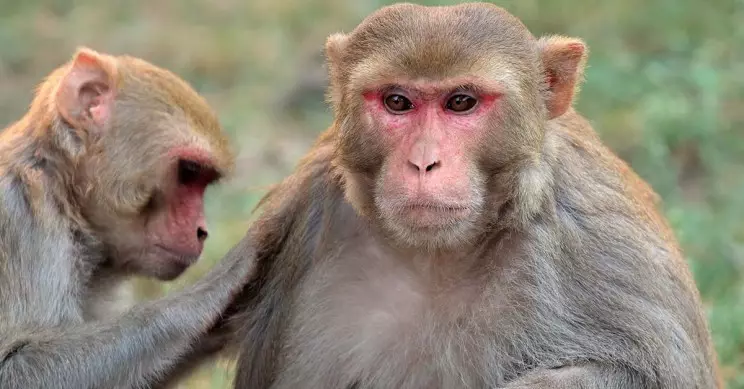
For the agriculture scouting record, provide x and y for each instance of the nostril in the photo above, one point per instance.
(421, 166)
(201, 234)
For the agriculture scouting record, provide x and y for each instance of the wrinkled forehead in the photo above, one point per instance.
(412, 68)
(439, 44)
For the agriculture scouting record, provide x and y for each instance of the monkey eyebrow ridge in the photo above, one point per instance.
(478, 86)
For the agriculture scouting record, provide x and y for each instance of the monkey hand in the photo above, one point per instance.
(224, 282)
(239, 265)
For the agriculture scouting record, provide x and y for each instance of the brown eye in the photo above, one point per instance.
(461, 103)
(398, 104)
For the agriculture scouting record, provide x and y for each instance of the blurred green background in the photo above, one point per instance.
(663, 87)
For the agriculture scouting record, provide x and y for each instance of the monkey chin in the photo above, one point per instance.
(430, 228)
(160, 263)
(173, 264)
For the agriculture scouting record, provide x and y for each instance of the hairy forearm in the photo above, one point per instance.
(141, 345)
(205, 349)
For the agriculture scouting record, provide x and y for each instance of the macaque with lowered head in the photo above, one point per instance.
(102, 179)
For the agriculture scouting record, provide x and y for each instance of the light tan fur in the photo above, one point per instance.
(564, 274)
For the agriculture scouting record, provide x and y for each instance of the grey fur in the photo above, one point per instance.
(575, 280)
(55, 269)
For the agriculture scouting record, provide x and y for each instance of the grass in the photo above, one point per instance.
(664, 88)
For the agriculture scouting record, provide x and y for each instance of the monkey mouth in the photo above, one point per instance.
(434, 214)
(434, 207)
(173, 256)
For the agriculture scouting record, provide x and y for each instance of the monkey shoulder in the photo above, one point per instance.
(592, 180)
(39, 285)
(607, 216)
(299, 203)
(610, 233)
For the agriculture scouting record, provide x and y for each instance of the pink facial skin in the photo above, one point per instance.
(428, 168)
(185, 218)
(182, 229)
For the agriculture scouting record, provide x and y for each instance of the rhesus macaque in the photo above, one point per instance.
(102, 179)
(461, 226)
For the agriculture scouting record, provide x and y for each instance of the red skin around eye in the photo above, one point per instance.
(176, 229)
(427, 134)
(426, 106)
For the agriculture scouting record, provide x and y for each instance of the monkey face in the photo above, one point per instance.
(166, 234)
(428, 120)
(161, 228)
(429, 192)
(414, 148)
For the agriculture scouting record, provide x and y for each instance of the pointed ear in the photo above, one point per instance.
(563, 61)
(334, 49)
(85, 95)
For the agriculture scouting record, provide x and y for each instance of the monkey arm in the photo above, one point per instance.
(130, 350)
(585, 376)
(206, 348)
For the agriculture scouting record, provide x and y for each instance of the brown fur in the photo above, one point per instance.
(569, 276)
(90, 184)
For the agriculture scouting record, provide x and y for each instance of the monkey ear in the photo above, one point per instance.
(563, 62)
(85, 94)
(334, 48)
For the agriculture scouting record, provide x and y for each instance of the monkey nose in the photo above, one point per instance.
(424, 156)
(201, 234)
(423, 167)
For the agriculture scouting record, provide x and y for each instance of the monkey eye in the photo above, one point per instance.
(461, 103)
(188, 172)
(398, 104)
